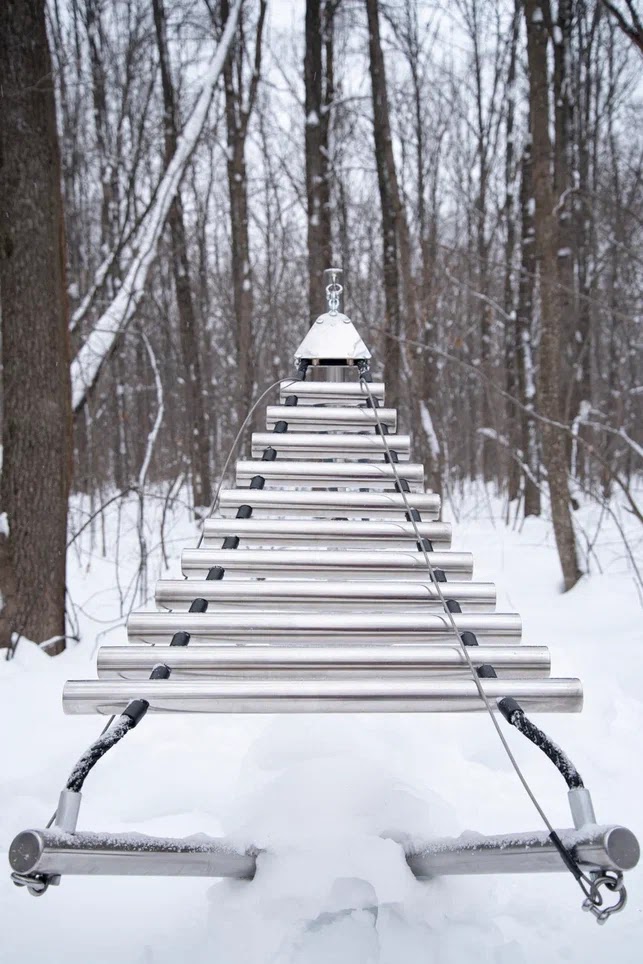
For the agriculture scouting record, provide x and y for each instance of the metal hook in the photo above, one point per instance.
(594, 903)
(333, 291)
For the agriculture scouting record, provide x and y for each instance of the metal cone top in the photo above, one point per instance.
(333, 339)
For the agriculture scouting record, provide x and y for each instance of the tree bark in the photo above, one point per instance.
(554, 450)
(387, 183)
(197, 428)
(513, 418)
(318, 83)
(237, 118)
(37, 439)
(524, 353)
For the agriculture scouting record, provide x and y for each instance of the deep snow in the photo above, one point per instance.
(317, 792)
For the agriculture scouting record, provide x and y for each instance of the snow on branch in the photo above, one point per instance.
(88, 362)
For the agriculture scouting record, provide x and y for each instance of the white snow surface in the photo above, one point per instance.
(317, 793)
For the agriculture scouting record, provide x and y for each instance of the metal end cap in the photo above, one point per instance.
(623, 848)
(25, 851)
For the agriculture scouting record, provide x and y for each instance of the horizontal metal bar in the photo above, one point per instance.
(321, 595)
(309, 418)
(353, 505)
(372, 475)
(288, 532)
(356, 564)
(455, 695)
(607, 848)
(348, 393)
(380, 628)
(51, 852)
(314, 445)
(48, 852)
(327, 662)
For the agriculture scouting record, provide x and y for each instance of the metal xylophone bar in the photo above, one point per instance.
(325, 628)
(321, 595)
(333, 563)
(373, 475)
(309, 418)
(305, 662)
(354, 505)
(332, 393)
(315, 445)
(286, 532)
(111, 696)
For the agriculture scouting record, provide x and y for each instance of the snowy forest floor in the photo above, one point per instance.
(317, 792)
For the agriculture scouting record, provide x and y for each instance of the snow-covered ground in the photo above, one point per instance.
(318, 792)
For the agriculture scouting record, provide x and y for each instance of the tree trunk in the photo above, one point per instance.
(237, 118)
(563, 198)
(524, 348)
(554, 449)
(37, 439)
(387, 188)
(513, 419)
(197, 428)
(318, 83)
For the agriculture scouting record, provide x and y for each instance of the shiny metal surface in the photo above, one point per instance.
(309, 418)
(315, 445)
(613, 848)
(353, 505)
(51, 852)
(293, 532)
(329, 392)
(67, 810)
(581, 806)
(375, 628)
(333, 336)
(318, 696)
(321, 595)
(372, 475)
(325, 662)
(354, 564)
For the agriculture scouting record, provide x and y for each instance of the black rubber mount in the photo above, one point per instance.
(180, 639)
(136, 710)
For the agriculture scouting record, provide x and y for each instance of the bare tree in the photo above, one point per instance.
(97, 348)
(191, 347)
(546, 236)
(319, 93)
(632, 28)
(36, 466)
(389, 200)
(239, 107)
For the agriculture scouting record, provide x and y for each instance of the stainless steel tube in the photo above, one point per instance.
(318, 696)
(607, 848)
(355, 564)
(373, 475)
(321, 595)
(374, 628)
(52, 852)
(326, 662)
(353, 505)
(346, 393)
(288, 532)
(309, 418)
(315, 445)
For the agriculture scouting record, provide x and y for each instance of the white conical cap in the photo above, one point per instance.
(333, 337)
